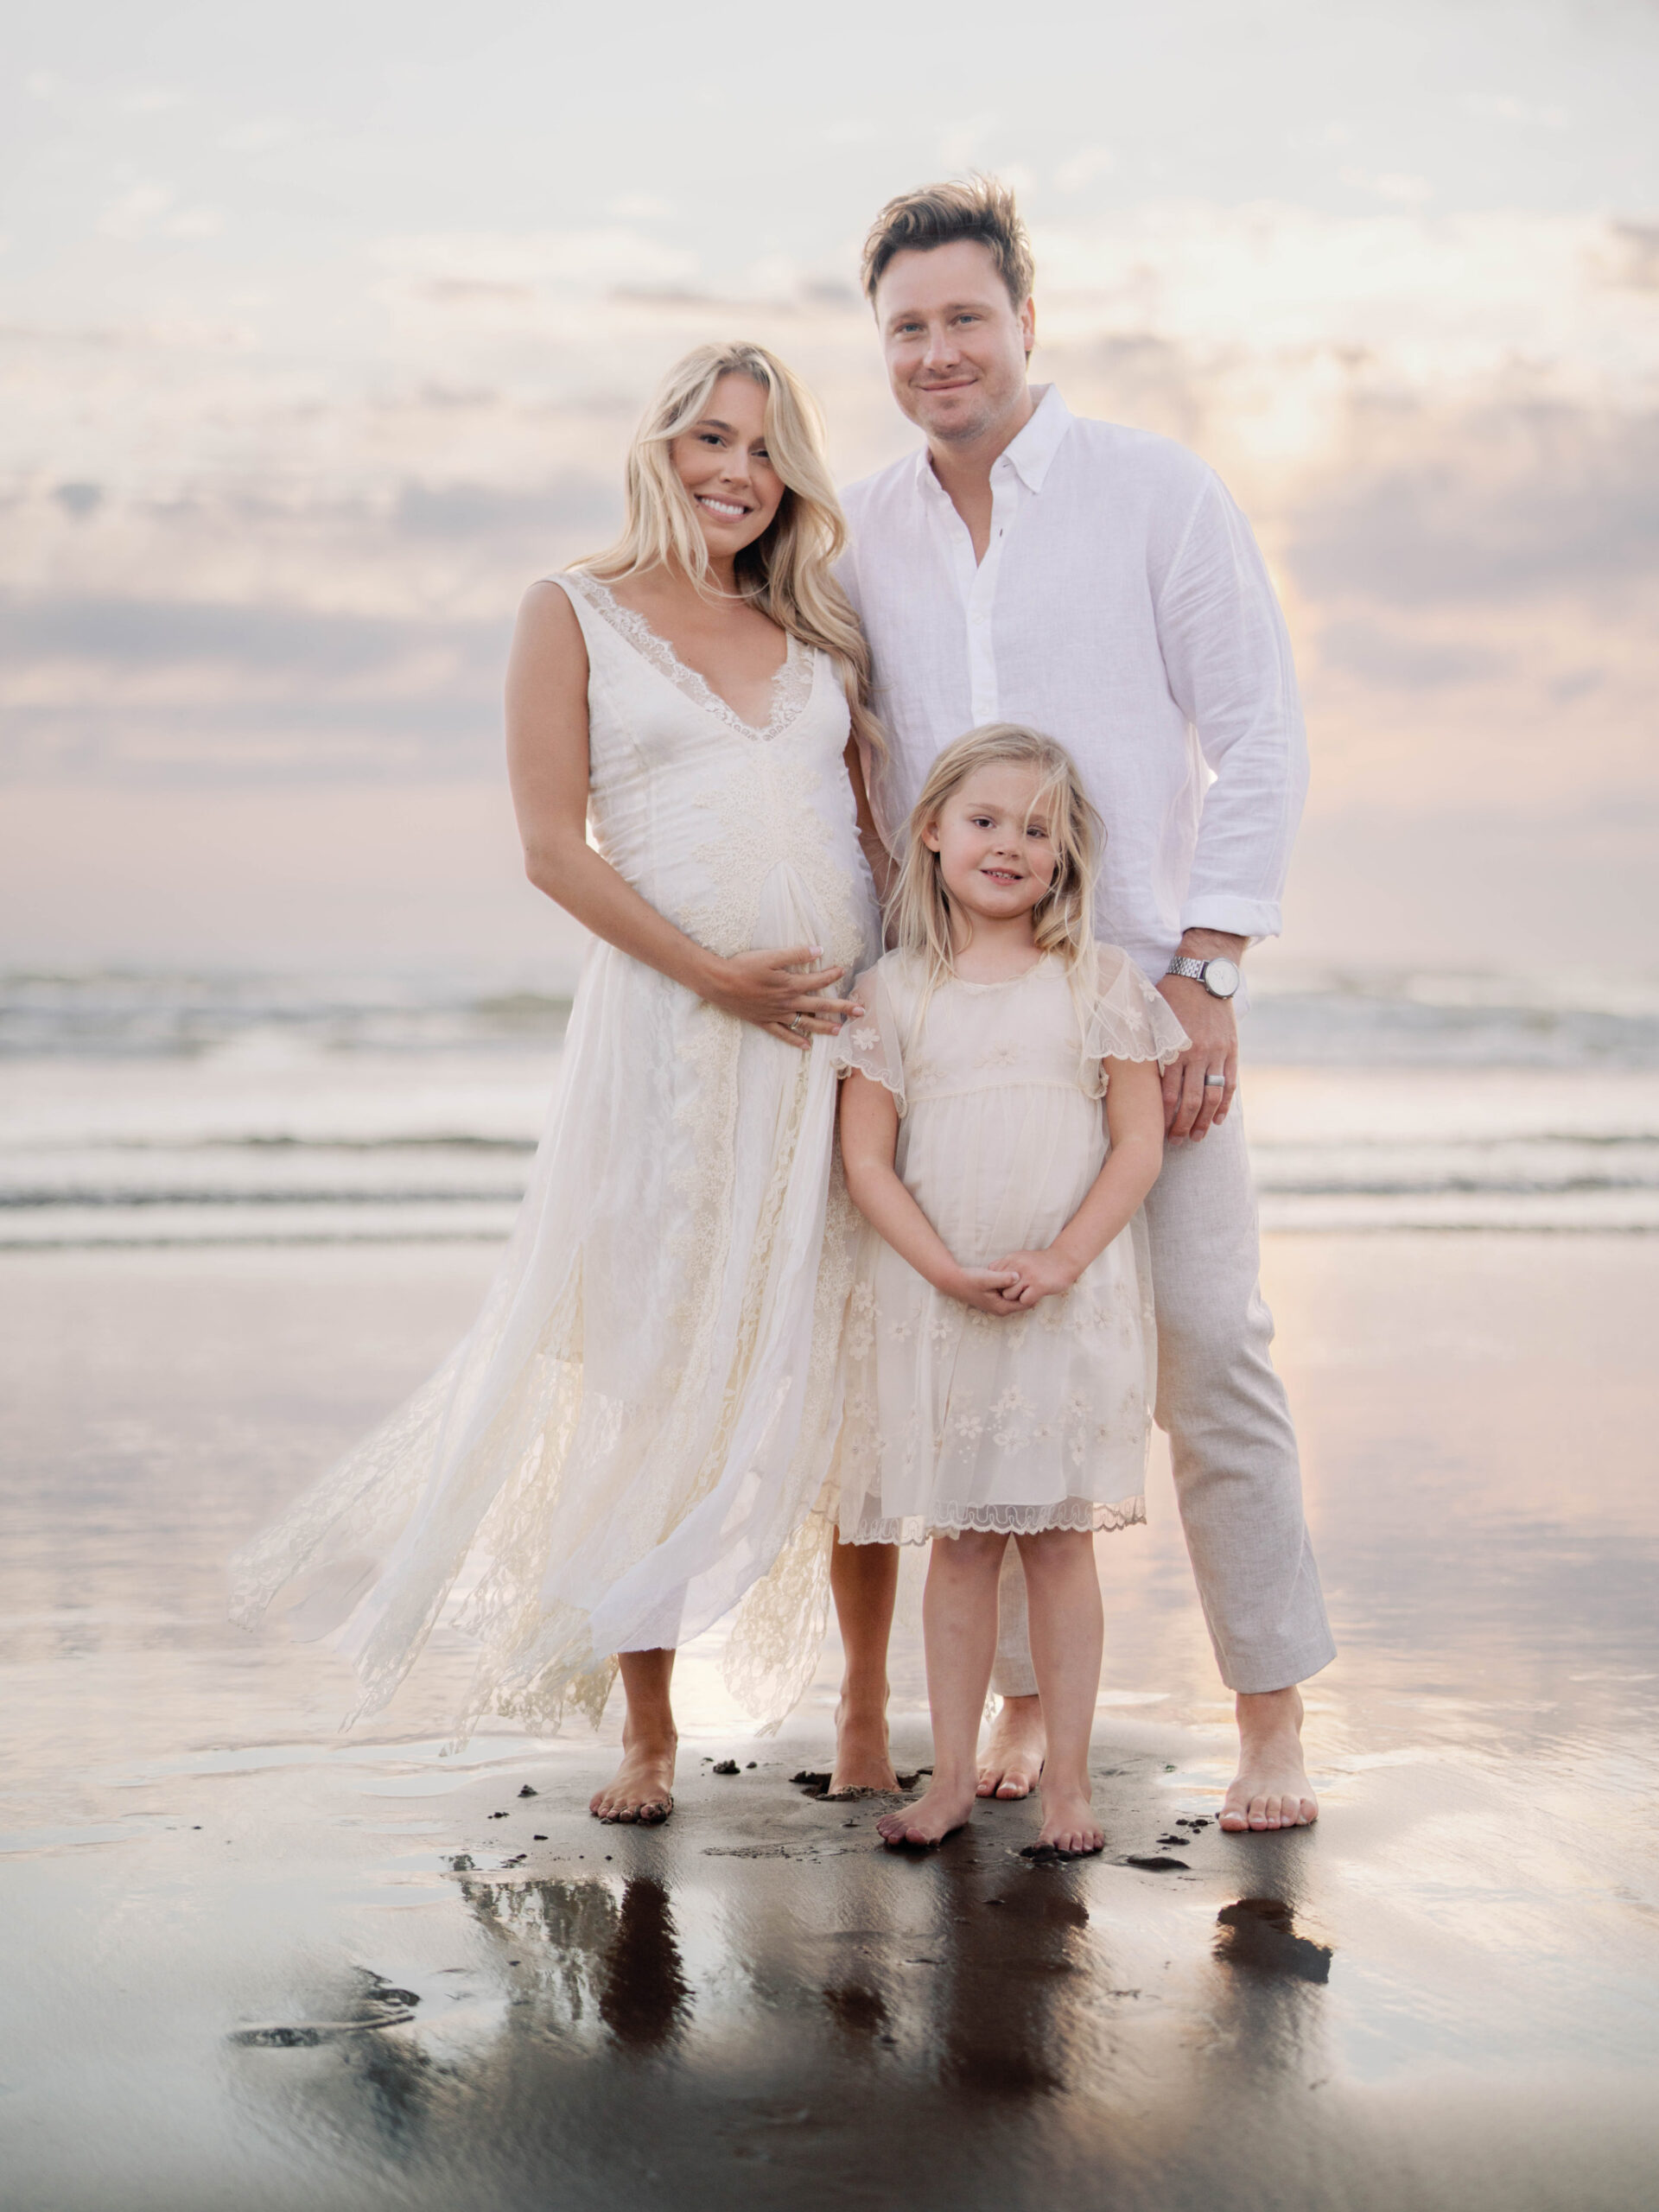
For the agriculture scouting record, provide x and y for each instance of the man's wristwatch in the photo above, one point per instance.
(1219, 977)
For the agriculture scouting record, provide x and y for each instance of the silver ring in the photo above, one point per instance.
(796, 1025)
(1215, 1083)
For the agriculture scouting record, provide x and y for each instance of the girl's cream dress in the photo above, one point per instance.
(955, 1419)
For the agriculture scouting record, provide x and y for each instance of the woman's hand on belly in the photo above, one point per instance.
(785, 992)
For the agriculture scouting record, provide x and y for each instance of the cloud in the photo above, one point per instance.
(302, 643)
(79, 499)
(1397, 657)
(1083, 167)
(472, 510)
(1506, 108)
(1636, 262)
(1391, 184)
(596, 259)
(1497, 505)
(1441, 306)
(111, 689)
(151, 210)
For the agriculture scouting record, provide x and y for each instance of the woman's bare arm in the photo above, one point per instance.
(547, 763)
(880, 860)
(1134, 1122)
(870, 1138)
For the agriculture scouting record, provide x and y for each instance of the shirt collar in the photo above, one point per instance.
(1042, 437)
(1030, 453)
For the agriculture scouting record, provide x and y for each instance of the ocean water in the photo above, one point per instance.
(156, 1110)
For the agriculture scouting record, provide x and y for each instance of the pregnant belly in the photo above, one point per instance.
(779, 904)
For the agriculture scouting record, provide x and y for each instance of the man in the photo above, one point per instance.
(1099, 584)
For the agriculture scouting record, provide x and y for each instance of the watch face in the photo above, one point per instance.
(1220, 978)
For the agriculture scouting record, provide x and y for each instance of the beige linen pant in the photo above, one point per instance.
(1232, 1446)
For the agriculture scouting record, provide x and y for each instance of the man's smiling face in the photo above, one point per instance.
(955, 343)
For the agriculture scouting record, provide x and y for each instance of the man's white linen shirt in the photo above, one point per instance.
(1123, 606)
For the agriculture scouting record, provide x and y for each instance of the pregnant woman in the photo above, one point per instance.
(635, 1434)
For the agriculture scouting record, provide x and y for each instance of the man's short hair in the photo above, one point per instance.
(979, 208)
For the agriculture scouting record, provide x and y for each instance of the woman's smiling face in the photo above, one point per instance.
(723, 463)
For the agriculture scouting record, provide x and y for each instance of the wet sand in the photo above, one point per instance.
(250, 1962)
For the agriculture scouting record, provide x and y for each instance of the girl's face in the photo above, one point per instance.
(723, 463)
(993, 840)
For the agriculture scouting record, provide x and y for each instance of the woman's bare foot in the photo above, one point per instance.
(938, 1812)
(642, 1788)
(1271, 1789)
(1013, 1764)
(862, 1761)
(1069, 1823)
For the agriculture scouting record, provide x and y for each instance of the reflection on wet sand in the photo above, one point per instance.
(593, 1958)
(891, 2023)
(266, 1965)
(645, 1995)
(1258, 1934)
(1014, 1974)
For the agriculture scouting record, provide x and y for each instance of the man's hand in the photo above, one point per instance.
(1191, 1103)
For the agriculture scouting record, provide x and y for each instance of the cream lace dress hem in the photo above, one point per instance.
(955, 1419)
(635, 1436)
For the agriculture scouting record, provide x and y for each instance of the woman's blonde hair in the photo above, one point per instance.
(787, 572)
(919, 909)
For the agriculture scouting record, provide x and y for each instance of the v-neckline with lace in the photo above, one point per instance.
(791, 686)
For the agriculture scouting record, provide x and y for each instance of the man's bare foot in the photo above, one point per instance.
(642, 1788)
(862, 1761)
(937, 1813)
(1013, 1758)
(1069, 1823)
(1271, 1789)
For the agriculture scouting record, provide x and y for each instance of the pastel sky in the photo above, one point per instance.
(323, 330)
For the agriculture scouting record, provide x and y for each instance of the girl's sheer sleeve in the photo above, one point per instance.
(1127, 1019)
(868, 1045)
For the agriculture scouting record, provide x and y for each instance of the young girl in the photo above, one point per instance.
(999, 1352)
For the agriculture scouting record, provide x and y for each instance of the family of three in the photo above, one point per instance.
(829, 1248)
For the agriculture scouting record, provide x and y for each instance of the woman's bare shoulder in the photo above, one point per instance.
(548, 600)
(548, 628)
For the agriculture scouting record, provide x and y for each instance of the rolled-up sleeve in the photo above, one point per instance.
(1227, 653)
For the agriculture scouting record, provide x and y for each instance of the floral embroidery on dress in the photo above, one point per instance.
(860, 1331)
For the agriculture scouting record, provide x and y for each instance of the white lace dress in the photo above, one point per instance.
(639, 1428)
(955, 1419)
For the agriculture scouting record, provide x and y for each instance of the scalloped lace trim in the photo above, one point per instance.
(1077, 1513)
(792, 688)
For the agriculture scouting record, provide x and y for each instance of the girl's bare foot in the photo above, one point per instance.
(1271, 1789)
(642, 1788)
(1013, 1758)
(938, 1812)
(1069, 1823)
(862, 1761)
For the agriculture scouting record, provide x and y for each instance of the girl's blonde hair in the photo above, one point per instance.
(787, 572)
(919, 909)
